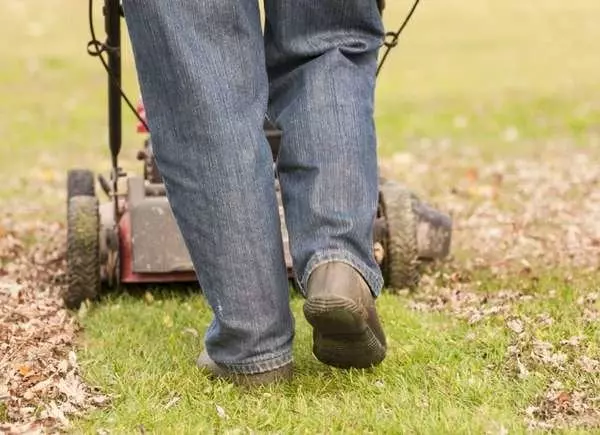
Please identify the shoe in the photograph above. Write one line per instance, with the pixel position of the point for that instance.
(280, 374)
(341, 309)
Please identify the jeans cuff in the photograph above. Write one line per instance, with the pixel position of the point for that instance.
(374, 280)
(261, 366)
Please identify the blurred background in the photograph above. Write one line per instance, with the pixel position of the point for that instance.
(500, 75)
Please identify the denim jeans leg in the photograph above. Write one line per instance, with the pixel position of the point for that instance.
(321, 60)
(202, 74)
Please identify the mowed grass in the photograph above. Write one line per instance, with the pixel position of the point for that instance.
(434, 381)
(508, 77)
(442, 375)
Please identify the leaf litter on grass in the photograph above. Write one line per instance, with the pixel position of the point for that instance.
(40, 382)
(525, 217)
(522, 216)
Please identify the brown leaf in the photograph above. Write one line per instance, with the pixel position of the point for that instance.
(25, 370)
(563, 398)
(472, 175)
(42, 387)
(588, 364)
(38, 366)
(573, 341)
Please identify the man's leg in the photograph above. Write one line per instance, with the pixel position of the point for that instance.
(203, 81)
(322, 58)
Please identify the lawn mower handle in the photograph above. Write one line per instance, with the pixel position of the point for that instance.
(112, 19)
(113, 12)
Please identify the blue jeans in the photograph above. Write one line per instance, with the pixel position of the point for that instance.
(208, 75)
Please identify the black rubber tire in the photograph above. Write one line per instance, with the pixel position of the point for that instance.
(400, 266)
(83, 251)
(80, 182)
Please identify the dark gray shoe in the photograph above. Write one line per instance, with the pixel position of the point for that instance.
(341, 309)
(280, 374)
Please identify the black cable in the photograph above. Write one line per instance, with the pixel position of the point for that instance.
(95, 48)
(392, 37)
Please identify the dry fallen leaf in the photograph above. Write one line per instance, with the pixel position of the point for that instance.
(589, 365)
(40, 383)
(516, 325)
(563, 397)
(25, 370)
(573, 341)
(172, 402)
(100, 400)
(545, 319)
(523, 372)
(221, 412)
(472, 174)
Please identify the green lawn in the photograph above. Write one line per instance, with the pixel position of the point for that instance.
(472, 87)
(442, 374)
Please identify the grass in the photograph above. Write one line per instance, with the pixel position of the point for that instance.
(442, 374)
(507, 77)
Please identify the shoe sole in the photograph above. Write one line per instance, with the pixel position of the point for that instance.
(342, 337)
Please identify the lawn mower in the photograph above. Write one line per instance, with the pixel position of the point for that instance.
(133, 237)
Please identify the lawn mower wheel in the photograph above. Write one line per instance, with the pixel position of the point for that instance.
(83, 249)
(80, 182)
(401, 262)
